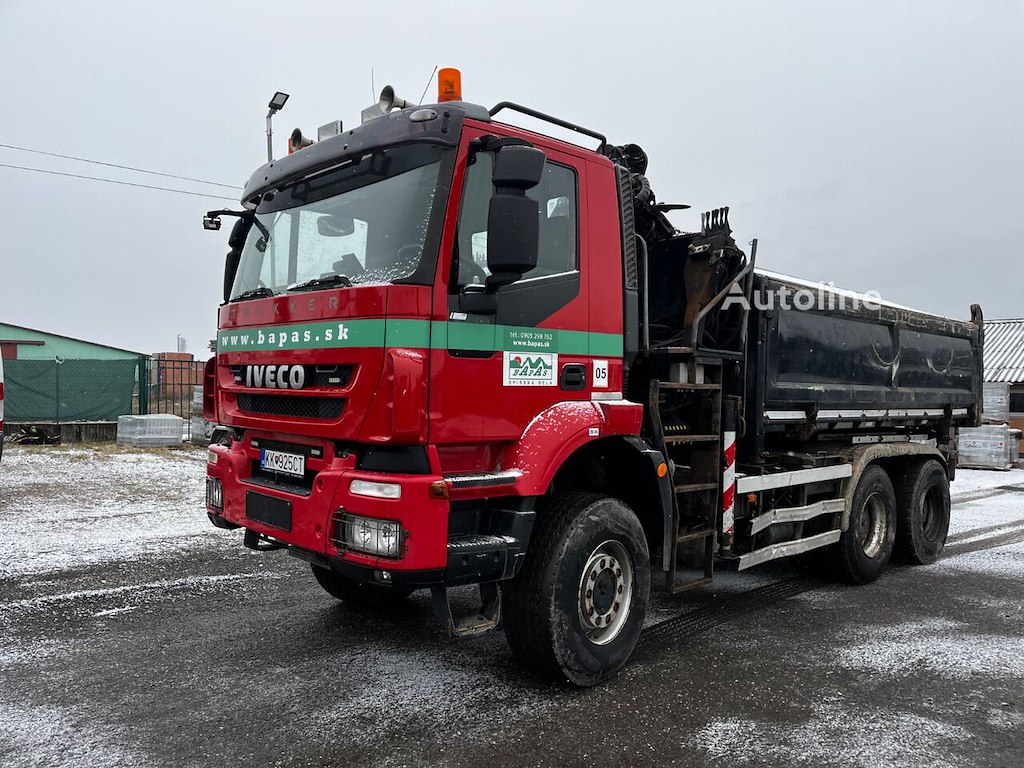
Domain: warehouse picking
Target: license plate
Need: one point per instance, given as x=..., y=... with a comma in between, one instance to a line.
x=293, y=464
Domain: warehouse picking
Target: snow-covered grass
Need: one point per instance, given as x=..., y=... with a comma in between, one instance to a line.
x=69, y=508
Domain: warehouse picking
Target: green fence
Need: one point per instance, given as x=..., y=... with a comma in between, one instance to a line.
x=73, y=390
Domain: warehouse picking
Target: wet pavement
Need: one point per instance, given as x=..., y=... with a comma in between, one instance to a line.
x=171, y=645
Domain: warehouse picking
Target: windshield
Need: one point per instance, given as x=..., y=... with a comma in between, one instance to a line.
x=365, y=223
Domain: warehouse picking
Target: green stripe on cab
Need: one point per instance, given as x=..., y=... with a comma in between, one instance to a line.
x=418, y=334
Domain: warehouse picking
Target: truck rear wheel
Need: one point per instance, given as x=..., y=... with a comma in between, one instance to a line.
x=575, y=610
x=863, y=551
x=923, y=519
x=355, y=592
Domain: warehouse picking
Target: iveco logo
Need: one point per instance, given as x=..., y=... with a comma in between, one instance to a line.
x=279, y=376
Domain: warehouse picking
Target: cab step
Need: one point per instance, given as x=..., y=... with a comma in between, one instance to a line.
x=694, y=535
x=473, y=623
x=694, y=487
x=674, y=439
x=686, y=385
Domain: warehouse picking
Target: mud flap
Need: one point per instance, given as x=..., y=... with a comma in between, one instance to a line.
x=471, y=624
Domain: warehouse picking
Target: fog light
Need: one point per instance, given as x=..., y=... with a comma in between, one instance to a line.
x=214, y=493
x=376, y=490
x=370, y=534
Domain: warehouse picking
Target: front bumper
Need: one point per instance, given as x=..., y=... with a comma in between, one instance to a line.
x=314, y=509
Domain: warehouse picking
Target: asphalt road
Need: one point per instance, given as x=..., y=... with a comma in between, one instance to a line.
x=213, y=655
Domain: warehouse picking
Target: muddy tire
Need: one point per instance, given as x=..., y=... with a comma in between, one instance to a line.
x=575, y=610
x=355, y=592
x=923, y=514
x=865, y=547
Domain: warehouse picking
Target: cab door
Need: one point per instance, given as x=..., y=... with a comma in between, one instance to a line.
x=491, y=374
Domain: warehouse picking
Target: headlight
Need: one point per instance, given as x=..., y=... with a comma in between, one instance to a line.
x=211, y=457
x=214, y=493
x=370, y=534
x=376, y=490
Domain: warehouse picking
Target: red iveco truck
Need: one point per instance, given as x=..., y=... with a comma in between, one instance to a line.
x=453, y=351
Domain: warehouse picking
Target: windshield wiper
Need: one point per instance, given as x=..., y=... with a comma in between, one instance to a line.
x=321, y=282
x=253, y=294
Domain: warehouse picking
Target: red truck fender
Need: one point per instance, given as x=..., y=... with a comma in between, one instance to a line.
x=556, y=435
x=559, y=431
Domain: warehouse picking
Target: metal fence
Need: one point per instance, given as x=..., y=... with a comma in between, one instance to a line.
x=172, y=386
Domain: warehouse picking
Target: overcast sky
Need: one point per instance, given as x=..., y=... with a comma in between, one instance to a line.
x=879, y=144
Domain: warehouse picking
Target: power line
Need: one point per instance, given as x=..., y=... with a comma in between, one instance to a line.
x=115, y=181
x=115, y=165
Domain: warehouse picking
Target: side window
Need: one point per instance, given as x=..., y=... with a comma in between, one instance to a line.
x=556, y=193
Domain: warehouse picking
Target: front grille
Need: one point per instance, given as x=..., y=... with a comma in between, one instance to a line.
x=291, y=405
x=326, y=376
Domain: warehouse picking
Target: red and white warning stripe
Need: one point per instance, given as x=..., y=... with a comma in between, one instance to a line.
x=729, y=482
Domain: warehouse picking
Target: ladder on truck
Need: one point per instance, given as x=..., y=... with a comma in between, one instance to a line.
x=693, y=450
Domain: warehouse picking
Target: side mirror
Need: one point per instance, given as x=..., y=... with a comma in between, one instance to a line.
x=513, y=229
x=236, y=241
x=230, y=270
x=240, y=231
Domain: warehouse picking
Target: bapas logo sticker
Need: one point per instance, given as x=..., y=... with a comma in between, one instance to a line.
x=525, y=369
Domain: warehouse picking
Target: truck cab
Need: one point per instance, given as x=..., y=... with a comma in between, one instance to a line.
x=385, y=364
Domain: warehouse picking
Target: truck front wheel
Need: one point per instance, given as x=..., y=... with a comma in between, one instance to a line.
x=866, y=545
x=923, y=514
x=575, y=610
x=355, y=592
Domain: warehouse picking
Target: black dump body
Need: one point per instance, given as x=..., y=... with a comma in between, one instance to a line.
x=839, y=366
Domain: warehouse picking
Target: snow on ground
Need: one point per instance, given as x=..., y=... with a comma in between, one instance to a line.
x=945, y=647
x=887, y=737
x=970, y=480
x=49, y=736
x=122, y=504
x=62, y=509
x=138, y=592
x=984, y=498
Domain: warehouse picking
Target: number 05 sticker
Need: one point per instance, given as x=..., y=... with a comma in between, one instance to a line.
x=601, y=373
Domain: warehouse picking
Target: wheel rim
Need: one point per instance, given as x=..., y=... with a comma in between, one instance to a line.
x=872, y=525
x=606, y=592
x=931, y=513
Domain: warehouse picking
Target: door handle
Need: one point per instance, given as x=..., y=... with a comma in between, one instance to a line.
x=574, y=377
